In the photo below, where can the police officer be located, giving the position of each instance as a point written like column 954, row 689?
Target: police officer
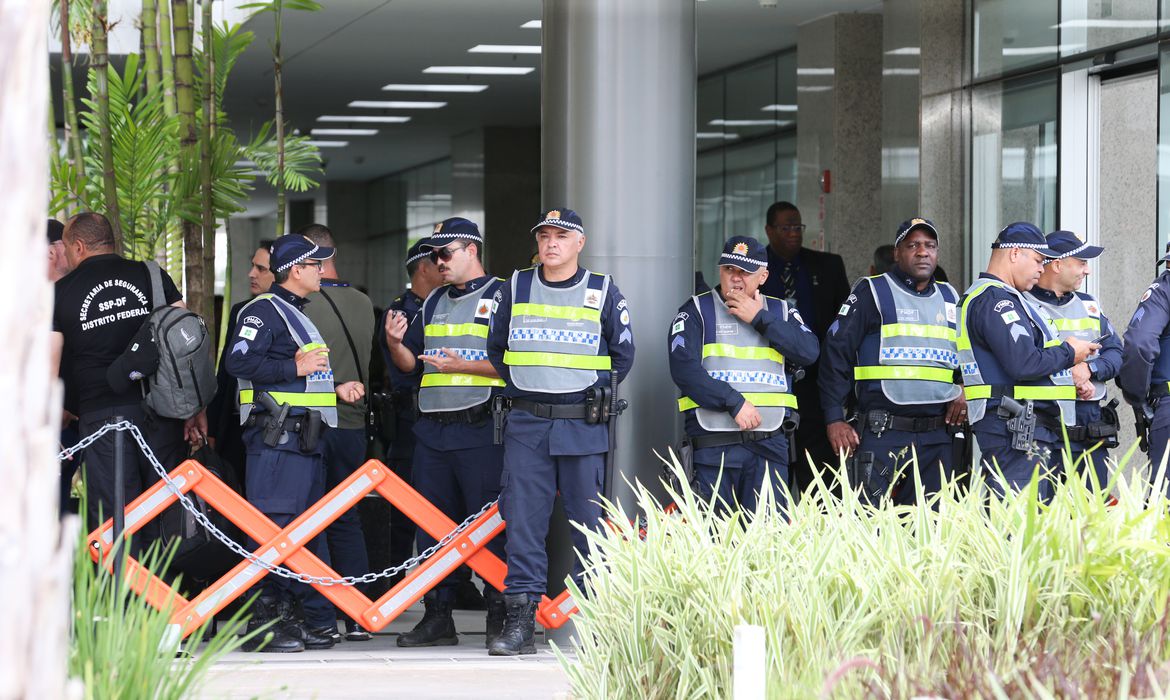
column 557, row 333
column 400, row 405
column 456, row 466
column 1016, row 369
column 280, row 360
column 1079, row 314
column 1145, row 366
column 727, row 351
column 893, row 346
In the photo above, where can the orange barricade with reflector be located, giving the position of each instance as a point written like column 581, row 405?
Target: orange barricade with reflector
column 286, row 547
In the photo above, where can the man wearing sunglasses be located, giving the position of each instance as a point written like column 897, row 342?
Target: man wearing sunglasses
column 558, row 331
column 456, row 465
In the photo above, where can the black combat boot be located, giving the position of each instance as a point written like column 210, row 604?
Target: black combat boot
column 518, row 636
column 496, row 613
column 312, row 637
column 435, row 629
column 276, row 638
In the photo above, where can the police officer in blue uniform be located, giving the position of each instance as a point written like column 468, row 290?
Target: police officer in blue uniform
column 1016, row 369
column 557, row 333
column 1078, row 314
column 456, row 466
column 1145, row 366
column 282, row 365
column 727, row 350
column 893, row 347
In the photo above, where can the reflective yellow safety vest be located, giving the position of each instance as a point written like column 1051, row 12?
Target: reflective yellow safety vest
column 460, row 325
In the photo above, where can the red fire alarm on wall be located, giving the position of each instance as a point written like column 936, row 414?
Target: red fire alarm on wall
column 826, row 181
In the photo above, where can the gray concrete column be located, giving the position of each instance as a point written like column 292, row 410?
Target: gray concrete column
column 618, row 146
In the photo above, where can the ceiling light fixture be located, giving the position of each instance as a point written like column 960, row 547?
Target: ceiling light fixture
column 531, row 24
column 364, row 119
column 778, row 108
column 504, row 48
column 404, row 87
column 478, row 70
column 749, row 122
column 343, row 132
column 328, row 144
column 395, row 104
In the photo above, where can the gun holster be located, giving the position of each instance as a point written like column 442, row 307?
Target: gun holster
column 1021, row 422
column 790, row 425
column 1107, row 429
column 686, row 458
column 860, row 470
column 275, row 419
column 311, row 429
column 500, row 408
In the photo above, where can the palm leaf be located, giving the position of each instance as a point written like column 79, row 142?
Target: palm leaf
column 302, row 160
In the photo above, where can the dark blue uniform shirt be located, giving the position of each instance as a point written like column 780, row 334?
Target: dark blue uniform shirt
column 1145, row 361
column 270, row 356
column 859, row 319
column 792, row 338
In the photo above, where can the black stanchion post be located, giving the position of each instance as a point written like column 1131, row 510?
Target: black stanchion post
column 119, row 502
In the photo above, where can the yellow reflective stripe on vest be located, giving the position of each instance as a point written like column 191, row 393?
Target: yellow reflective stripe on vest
column 1025, row 393
column 740, row 352
column 917, row 330
column 1087, row 323
column 566, row 313
column 317, row 399
column 556, row 359
column 455, row 379
column 930, row 374
column 1052, row 343
column 313, row 346
column 767, row 400
column 447, row 330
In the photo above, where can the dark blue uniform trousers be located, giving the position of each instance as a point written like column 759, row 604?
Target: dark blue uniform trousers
column 1160, row 439
column 282, row 483
column 893, row 451
column 742, row 478
column 535, row 468
column 1017, row 467
column 458, row 482
column 344, row 450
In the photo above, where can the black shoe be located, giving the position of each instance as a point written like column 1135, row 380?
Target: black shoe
column 519, row 634
column 468, row 597
column 497, row 612
column 355, row 632
column 315, row 637
column 275, row 639
column 435, row 629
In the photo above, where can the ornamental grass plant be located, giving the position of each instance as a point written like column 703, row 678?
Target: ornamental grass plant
column 976, row 597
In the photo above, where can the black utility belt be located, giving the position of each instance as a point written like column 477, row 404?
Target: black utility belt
column 475, row 414
column 1160, row 390
column 291, row 424
column 549, row 411
column 879, row 421
column 730, row 438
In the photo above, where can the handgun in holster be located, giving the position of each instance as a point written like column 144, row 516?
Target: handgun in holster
column 686, row 459
column 499, row 413
column 277, row 414
column 1143, row 417
column 860, row 468
column 790, row 425
column 1021, row 422
column 1107, row 429
column 312, row 425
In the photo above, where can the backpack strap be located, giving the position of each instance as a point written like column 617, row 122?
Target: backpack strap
column 345, row 329
column 157, row 296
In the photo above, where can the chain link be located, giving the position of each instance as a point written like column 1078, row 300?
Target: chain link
column 236, row 547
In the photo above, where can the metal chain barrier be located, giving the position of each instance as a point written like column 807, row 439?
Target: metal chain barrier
column 197, row 513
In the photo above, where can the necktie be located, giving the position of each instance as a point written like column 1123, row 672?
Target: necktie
column 788, row 279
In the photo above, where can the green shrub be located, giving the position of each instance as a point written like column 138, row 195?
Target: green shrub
column 997, row 599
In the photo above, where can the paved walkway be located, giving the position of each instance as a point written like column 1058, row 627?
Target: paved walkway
column 380, row 669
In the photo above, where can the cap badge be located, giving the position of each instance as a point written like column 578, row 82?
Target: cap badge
column 438, row 227
column 554, row 214
column 740, row 249
column 917, row 222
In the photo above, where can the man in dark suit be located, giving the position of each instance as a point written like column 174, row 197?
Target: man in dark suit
column 817, row 284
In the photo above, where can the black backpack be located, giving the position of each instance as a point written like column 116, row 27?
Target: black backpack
column 184, row 382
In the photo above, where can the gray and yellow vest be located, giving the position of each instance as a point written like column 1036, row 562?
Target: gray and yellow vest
column 914, row 355
column 984, row 374
column 314, row 391
column 1079, row 318
column 459, row 324
column 554, row 336
column 736, row 353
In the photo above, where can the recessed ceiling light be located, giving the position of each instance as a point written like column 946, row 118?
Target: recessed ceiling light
column 396, row 104
column 479, row 70
column 748, row 122
column 716, row 135
column 778, row 108
column 531, row 24
column 367, row 119
column 328, row 144
column 343, row 132
column 504, row 48
column 403, row 87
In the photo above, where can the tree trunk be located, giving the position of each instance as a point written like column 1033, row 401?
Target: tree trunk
column 205, row 160
column 35, row 575
column 68, row 98
column 196, row 295
column 277, row 6
column 174, row 232
column 150, row 43
column 106, row 139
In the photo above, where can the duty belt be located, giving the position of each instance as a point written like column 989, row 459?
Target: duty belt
column 880, row 421
column 571, row 411
column 727, row 439
column 1160, row 390
column 292, row 424
column 475, row 414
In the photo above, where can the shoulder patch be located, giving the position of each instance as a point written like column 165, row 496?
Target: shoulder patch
column 253, row 321
column 625, row 317
column 678, row 327
column 1003, row 305
column 622, row 304
column 247, row 333
column 1010, row 317
column 844, row 310
column 1149, row 291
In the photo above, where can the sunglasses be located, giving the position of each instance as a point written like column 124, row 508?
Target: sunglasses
column 445, row 253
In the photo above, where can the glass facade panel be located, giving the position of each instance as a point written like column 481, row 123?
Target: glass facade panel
column 1012, row 34
column 751, row 93
column 1163, row 147
column 708, row 208
column 1014, row 158
column 1091, row 24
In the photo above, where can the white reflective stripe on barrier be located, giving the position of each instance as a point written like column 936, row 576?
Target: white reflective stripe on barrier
column 331, row 507
column 422, row 583
column 485, row 530
column 236, row 582
column 140, row 512
column 567, row 605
